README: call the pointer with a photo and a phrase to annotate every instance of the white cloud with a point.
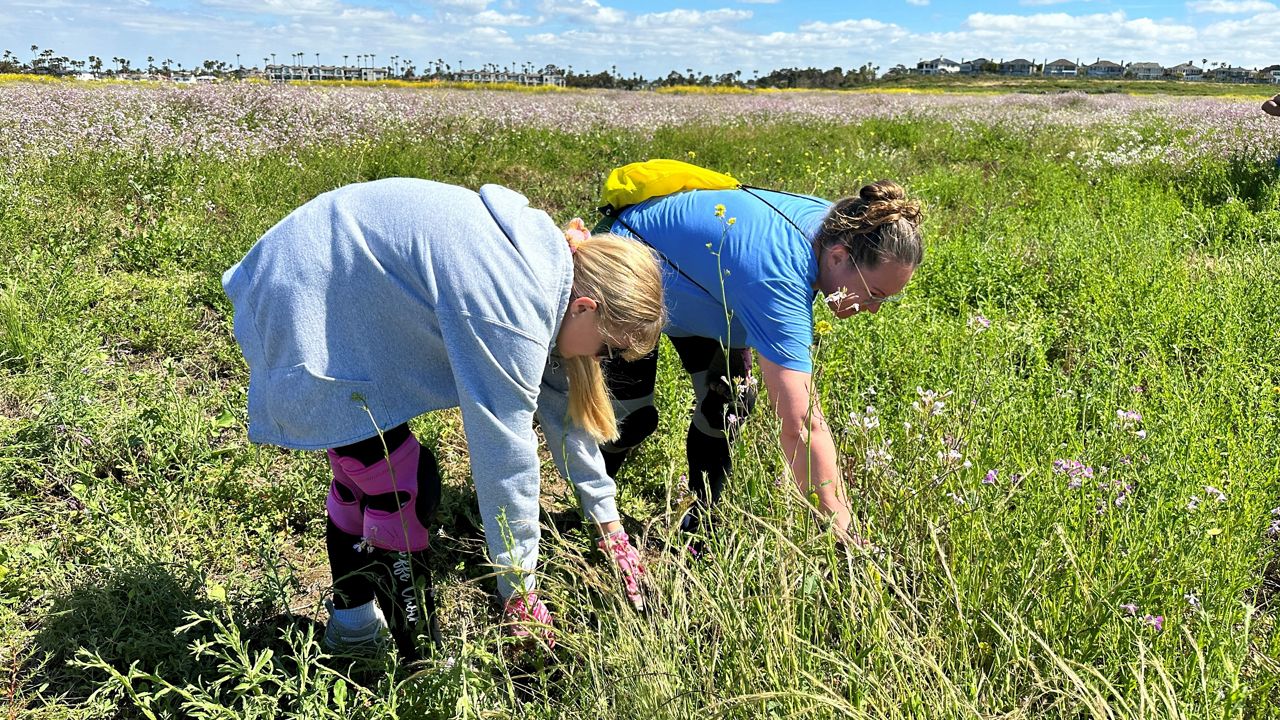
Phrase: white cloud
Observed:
(759, 2)
(1230, 7)
(849, 26)
(472, 5)
(485, 36)
(920, 3)
(1076, 30)
(490, 17)
(691, 19)
(287, 8)
(586, 11)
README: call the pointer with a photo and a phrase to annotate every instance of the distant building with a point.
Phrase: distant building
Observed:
(1061, 68)
(287, 73)
(1231, 74)
(1105, 69)
(1185, 71)
(1018, 67)
(937, 66)
(973, 67)
(549, 75)
(1145, 70)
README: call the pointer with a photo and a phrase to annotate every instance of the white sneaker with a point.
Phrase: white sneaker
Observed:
(343, 638)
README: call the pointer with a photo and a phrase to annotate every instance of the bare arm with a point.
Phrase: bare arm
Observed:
(806, 441)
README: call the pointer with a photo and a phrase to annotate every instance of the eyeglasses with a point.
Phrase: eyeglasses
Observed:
(872, 297)
(608, 350)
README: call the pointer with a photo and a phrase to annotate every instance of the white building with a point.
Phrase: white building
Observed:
(1231, 74)
(1105, 69)
(937, 66)
(1145, 70)
(287, 73)
(1061, 68)
(549, 75)
(1018, 67)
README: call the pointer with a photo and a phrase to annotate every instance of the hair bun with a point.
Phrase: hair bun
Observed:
(882, 191)
(886, 202)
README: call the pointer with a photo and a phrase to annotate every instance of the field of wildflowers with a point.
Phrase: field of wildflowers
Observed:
(1064, 442)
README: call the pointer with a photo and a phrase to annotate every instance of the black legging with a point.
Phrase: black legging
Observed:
(707, 441)
(401, 581)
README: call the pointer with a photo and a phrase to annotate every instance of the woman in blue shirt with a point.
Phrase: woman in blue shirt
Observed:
(743, 267)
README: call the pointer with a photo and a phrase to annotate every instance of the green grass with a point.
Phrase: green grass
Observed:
(153, 563)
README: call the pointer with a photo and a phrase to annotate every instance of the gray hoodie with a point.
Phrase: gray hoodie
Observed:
(379, 301)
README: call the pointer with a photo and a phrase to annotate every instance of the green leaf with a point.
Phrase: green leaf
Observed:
(217, 593)
(225, 420)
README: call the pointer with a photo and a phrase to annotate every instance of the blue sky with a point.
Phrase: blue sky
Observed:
(649, 37)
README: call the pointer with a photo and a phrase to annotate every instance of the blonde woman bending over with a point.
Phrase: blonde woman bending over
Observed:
(377, 302)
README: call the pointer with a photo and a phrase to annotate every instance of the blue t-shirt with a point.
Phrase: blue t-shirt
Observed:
(767, 266)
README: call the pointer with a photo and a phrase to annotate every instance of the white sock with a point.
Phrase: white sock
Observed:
(356, 617)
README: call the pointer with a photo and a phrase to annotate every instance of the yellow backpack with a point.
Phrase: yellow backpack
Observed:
(639, 181)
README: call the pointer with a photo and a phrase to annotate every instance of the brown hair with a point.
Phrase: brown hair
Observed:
(624, 279)
(876, 225)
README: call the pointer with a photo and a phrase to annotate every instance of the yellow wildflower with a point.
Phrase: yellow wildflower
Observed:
(719, 210)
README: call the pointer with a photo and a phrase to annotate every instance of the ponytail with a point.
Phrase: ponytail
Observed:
(589, 402)
(624, 279)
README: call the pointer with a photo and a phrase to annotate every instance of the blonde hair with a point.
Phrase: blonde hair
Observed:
(624, 279)
(878, 224)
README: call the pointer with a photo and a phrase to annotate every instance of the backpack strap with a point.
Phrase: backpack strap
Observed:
(609, 211)
(749, 188)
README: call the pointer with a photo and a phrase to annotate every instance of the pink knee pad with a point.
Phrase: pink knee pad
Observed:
(346, 515)
(398, 530)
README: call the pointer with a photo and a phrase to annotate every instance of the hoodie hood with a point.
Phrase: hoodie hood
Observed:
(538, 240)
